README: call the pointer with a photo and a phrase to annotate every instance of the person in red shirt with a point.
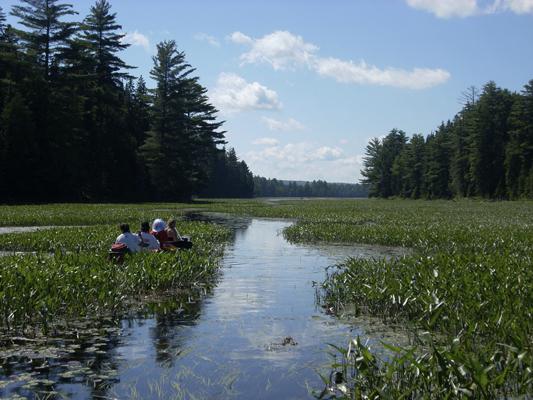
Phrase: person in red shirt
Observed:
(158, 230)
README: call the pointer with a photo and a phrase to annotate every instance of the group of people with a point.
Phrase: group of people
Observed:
(162, 236)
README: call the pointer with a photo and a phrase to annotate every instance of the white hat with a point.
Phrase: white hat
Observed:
(158, 225)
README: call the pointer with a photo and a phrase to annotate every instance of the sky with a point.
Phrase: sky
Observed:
(304, 84)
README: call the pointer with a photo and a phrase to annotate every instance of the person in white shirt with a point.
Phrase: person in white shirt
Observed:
(148, 241)
(128, 238)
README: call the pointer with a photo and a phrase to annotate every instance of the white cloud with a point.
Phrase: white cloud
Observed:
(281, 49)
(137, 39)
(204, 37)
(516, 6)
(240, 38)
(233, 94)
(305, 161)
(361, 73)
(287, 126)
(328, 153)
(266, 141)
(466, 8)
(446, 8)
(302, 152)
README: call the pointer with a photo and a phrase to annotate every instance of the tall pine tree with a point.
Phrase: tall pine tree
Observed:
(184, 133)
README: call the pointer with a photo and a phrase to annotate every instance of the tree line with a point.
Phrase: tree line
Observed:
(75, 125)
(264, 187)
(486, 151)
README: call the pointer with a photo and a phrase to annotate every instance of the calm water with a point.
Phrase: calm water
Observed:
(258, 334)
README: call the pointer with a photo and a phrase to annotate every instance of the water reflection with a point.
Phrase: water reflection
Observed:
(258, 334)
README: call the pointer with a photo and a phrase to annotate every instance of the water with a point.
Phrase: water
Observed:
(259, 334)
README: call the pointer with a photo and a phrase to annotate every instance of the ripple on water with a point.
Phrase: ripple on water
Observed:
(233, 344)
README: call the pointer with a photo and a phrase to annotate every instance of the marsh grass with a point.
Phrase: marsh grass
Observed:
(465, 292)
(77, 280)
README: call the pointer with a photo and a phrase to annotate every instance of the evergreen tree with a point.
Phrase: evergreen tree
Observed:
(519, 151)
(487, 145)
(111, 150)
(19, 150)
(414, 161)
(464, 125)
(48, 35)
(437, 171)
(373, 167)
(43, 48)
(392, 172)
(184, 134)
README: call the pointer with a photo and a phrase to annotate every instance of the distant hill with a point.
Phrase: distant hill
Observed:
(264, 187)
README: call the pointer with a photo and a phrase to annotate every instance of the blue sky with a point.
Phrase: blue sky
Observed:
(303, 85)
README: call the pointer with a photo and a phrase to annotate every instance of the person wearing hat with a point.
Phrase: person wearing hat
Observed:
(158, 230)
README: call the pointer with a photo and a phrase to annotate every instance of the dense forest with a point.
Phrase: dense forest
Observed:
(486, 151)
(264, 187)
(75, 125)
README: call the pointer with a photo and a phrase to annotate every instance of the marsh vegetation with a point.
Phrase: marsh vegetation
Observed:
(460, 288)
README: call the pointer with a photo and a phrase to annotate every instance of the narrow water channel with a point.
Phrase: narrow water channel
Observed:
(258, 335)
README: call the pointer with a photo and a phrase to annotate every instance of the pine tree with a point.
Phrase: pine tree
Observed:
(111, 148)
(19, 151)
(48, 36)
(102, 36)
(373, 167)
(519, 151)
(463, 126)
(184, 134)
(414, 160)
(487, 147)
(3, 25)
(48, 96)
(392, 170)
(437, 163)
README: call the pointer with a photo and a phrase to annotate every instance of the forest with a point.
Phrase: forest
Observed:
(76, 125)
(486, 151)
(264, 187)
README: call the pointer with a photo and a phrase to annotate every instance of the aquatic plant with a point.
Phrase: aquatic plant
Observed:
(77, 280)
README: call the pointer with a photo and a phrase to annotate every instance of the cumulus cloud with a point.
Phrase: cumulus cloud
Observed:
(516, 6)
(361, 73)
(266, 141)
(305, 161)
(302, 152)
(240, 38)
(233, 94)
(328, 153)
(283, 50)
(204, 37)
(466, 8)
(290, 125)
(137, 39)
